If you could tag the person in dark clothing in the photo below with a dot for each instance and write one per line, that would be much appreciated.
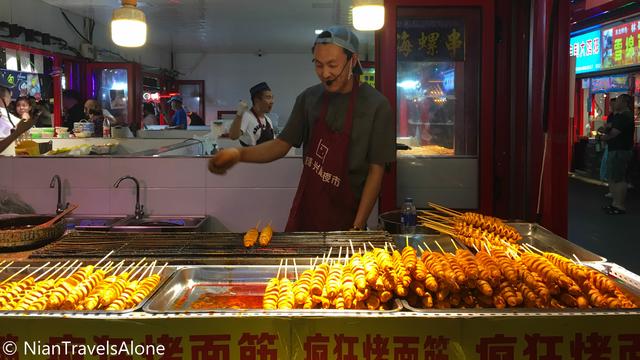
(73, 110)
(620, 143)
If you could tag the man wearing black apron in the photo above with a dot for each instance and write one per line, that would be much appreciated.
(254, 127)
(348, 134)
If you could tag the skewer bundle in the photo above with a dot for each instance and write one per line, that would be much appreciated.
(77, 287)
(470, 228)
(503, 279)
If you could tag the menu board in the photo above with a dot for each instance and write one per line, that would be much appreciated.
(620, 45)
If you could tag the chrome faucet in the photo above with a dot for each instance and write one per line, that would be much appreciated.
(55, 180)
(139, 214)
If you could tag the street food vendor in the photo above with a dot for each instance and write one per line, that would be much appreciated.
(347, 133)
(253, 126)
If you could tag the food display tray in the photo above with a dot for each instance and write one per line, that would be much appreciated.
(241, 286)
(532, 234)
(164, 276)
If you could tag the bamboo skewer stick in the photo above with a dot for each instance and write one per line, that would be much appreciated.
(578, 260)
(444, 209)
(295, 268)
(420, 248)
(286, 265)
(454, 243)
(6, 266)
(427, 246)
(487, 247)
(162, 268)
(15, 274)
(45, 272)
(279, 267)
(475, 247)
(441, 249)
(352, 249)
(104, 258)
(58, 270)
(535, 248)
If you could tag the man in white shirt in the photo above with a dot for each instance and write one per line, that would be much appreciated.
(254, 127)
(7, 120)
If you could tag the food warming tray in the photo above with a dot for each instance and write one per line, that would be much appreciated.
(242, 287)
(164, 275)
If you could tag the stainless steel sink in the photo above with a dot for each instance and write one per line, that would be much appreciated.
(161, 224)
(92, 223)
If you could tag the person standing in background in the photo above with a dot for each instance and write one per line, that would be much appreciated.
(7, 120)
(148, 115)
(254, 127)
(620, 143)
(72, 108)
(179, 118)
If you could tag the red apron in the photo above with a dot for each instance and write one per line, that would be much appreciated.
(324, 200)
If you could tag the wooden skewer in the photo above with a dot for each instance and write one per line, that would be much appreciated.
(295, 268)
(346, 256)
(370, 244)
(146, 271)
(340, 253)
(135, 273)
(6, 266)
(441, 249)
(314, 263)
(454, 243)
(279, 267)
(487, 247)
(444, 209)
(162, 268)
(535, 248)
(427, 246)
(45, 272)
(475, 247)
(69, 271)
(406, 240)
(329, 255)
(352, 249)
(420, 248)
(2, 262)
(57, 270)
(34, 272)
(15, 274)
(286, 266)
(104, 258)
(364, 246)
(575, 257)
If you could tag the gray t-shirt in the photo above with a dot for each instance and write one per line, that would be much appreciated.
(372, 135)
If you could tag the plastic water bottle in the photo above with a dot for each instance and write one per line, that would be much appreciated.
(106, 128)
(408, 217)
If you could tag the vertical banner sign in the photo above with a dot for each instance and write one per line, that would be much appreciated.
(586, 48)
(431, 40)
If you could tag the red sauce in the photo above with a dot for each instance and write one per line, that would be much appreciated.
(223, 296)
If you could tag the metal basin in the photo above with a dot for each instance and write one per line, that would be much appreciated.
(161, 224)
(92, 223)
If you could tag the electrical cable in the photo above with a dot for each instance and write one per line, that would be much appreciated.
(66, 18)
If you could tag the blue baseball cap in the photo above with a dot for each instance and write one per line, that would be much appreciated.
(342, 37)
(174, 98)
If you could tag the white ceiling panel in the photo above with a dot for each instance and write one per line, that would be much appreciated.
(229, 26)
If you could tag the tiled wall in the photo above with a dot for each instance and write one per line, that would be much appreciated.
(169, 186)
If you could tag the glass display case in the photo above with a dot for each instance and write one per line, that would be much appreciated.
(438, 91)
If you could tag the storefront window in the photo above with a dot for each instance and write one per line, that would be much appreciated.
(438, 79)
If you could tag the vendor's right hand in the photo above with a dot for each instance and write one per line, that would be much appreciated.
(24, 125)
(224, 160)
(242, 108)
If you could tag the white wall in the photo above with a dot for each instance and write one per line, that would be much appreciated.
(40, 16)
(228, 78)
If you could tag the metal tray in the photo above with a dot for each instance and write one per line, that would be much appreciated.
(532, 234)
(545, 240)
(164, 276)
(242, 282)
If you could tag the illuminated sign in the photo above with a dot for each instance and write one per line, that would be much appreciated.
(620, 45)
(587, 49)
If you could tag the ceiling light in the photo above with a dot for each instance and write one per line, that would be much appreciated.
(128, 25)
(368, 15)
(319, 31)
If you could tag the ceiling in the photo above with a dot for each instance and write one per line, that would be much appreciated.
(225, 26)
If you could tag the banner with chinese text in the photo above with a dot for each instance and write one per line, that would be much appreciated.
(620, 45)
(430, 40)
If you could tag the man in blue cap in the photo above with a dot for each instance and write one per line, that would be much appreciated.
(253, 126)
(179, 118)
(348, 135)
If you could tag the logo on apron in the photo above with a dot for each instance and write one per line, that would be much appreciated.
(322, 150)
